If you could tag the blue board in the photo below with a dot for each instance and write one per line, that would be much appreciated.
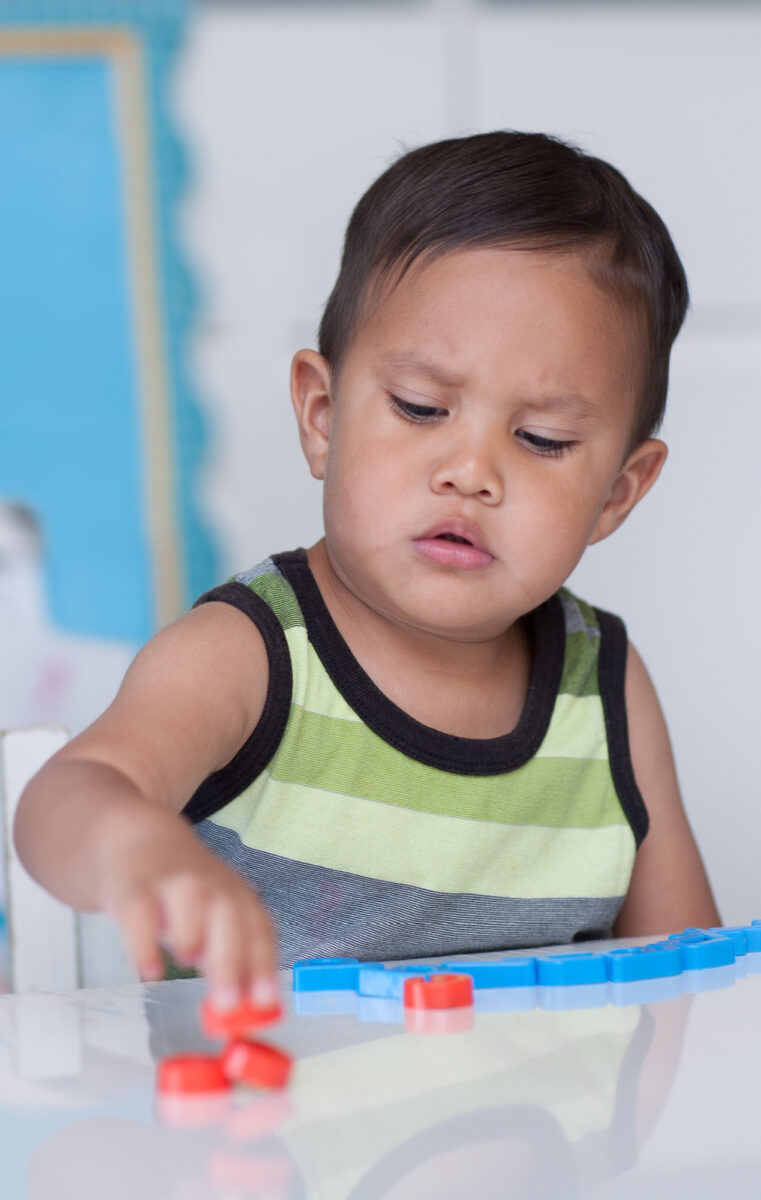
(99, 430)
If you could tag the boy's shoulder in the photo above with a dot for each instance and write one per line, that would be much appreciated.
(274, 581)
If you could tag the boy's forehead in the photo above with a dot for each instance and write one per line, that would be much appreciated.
(534, 317)
(426, 368)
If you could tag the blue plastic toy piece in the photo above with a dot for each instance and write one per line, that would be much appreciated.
(561, 970)
(736, 933)
(388, 982)
(643, 962)
(689, 936)
(325, 974)
(710, 952)
(519, 971)
(752, 938)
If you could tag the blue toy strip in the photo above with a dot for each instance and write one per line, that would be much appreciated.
(752, 938)
(562, 970)
(519, 971)
(643, 962)
(684, 954)
(325, 974)
(388, 982)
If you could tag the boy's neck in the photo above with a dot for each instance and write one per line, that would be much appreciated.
(470, 689)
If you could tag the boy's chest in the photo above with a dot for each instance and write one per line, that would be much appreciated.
(480, 698)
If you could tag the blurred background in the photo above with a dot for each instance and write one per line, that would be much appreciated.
(175, 178)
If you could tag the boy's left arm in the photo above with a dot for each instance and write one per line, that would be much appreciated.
(669, 888)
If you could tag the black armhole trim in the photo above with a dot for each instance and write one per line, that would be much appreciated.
(227, 783)
(612, 679)
(458, 755)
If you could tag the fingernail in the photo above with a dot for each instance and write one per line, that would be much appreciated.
(225, 997)
(151, 971)
(264, 992)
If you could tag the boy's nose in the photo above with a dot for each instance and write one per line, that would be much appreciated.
(470, 471)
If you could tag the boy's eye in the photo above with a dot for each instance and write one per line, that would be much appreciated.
(416, 412)
(544, 445)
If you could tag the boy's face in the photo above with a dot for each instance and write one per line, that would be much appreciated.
(477, 439)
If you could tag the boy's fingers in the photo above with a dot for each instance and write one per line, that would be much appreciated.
(184, 898)
(139, 918)
(223, 954)
(261, 956)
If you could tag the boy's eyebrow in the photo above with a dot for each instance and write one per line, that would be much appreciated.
(576, 405)
(423, 366)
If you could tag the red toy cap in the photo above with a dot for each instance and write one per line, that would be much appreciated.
(439, 991)
(191, 1074)
(236, 1022)
(256, 1064)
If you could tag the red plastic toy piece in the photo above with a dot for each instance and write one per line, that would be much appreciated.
(236, 1022)
(256, 1064)
(191, 1074)
(439, 991)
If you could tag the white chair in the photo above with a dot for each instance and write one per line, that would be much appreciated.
(52, 948)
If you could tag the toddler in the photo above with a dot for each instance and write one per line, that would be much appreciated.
(410, 739)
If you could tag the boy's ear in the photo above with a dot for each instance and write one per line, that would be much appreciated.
(313, 404)
(634, 480)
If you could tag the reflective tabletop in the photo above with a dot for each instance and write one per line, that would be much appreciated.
(637, 1090)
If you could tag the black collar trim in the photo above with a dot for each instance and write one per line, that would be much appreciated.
(461, 756)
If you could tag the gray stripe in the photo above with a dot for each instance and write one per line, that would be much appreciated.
(574, 618)
(321, 912)
(266, 567)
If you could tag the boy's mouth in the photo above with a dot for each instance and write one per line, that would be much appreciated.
(452, 537)
(454, 543)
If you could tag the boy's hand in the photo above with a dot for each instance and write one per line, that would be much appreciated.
(100, 824)
(177, 895)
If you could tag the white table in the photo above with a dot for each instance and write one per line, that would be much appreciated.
(620, 1099)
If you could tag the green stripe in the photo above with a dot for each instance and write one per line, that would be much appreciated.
(347, 757)
(577, 729)
(443, 854)
(313, 688)
(277, 592)
(579, 676)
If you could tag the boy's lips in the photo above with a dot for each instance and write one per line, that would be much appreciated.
(454, 543)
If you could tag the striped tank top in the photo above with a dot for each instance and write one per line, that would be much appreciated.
(367, 833)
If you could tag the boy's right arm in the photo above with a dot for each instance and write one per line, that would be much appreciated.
(99, 825)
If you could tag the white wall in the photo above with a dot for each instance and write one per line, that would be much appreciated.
(291, 111)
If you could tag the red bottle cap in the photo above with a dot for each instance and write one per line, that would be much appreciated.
(256, 1064)
(191, 1074)
(439, 991)
(236, 1022)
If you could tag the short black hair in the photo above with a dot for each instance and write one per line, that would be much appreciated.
(521, 190)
